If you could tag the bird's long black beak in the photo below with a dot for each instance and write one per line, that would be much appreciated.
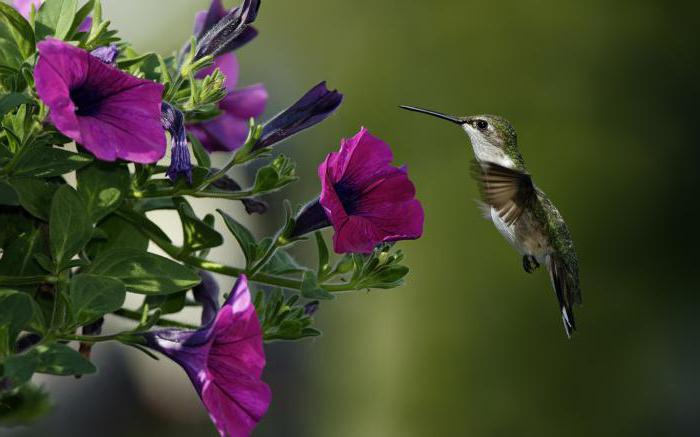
(451, 118)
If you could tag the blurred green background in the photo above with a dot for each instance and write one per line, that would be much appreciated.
(605, 99)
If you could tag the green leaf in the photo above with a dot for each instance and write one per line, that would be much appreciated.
(168, 304)
(103, 186)
(59, 359)
(243, 236)
(69, 225)
(20, 30)
(19, 256)
(46, 162)
(282, 263)
(141, 221)
(323, 255)
(200, 153)
(81, 15)
(55, 18)
(20, 368)
(10, 101)
(119, 234)
(93, 296)
(8, 195)
(16, 311)
(310, 288)
(23, 406)
(35, 195)
(274, 176)
(197, 235)
(143, 272)
(123, 64)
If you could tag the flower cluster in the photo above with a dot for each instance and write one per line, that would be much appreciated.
(85, 127)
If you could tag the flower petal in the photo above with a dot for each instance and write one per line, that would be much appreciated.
(24, 7)
(224, 133)
(246, 102)
(121, 116)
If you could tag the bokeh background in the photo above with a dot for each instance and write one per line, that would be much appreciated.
(605, 98)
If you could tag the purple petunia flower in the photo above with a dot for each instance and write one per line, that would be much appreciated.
(228, 131)
(109, 112)
(24, 7)
(224, 360)
(366, 199)
(314, 107)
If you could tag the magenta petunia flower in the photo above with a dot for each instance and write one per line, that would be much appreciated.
(228, 131)
(24, 7)
(109, 112)
(224, 360)
(366, 199)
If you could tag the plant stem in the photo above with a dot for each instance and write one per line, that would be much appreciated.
(17, 281)
(204, 264)
(136, 316)
(91, 338)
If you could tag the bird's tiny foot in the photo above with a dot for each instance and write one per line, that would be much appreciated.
(530, 263)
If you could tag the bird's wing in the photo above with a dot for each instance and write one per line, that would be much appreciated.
(566, 287)
(507, 190)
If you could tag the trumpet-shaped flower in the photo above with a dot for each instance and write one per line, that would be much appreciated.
(224, 360)
(366, 199)
(111, 113)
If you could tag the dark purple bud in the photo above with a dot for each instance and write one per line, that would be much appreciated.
(94, 328)
(311, 308)
(207, 295)
(252, 206)
(107, 54)
(26, 341)
(206, 20)
(314, 107)
(311, 218)
(227, 30)
(180, 162)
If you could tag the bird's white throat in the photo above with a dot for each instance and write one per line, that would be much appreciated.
(485, 151)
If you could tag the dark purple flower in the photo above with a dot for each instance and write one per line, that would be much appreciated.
(228, 131)
(107, 54)
(207, 294)
(173, 121)
(109, 112)
(228, 31)
(224, 360)
(206, 20)
(366, 199)
(314, 107)
(311, 308)
(25, 8)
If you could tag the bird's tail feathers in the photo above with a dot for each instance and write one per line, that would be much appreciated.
(566, 289)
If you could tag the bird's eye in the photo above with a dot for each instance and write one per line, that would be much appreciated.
(482, 124)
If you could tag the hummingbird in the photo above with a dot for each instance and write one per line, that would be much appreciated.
(521, 212)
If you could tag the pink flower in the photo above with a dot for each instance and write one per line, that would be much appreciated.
(224, 360)
(366, 199)
(111, 113)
